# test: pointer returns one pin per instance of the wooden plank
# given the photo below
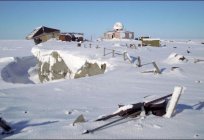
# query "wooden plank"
(173, 102)
(124, 56)
(156, 67)
(113, 53)
(139, 62)
(128, 57)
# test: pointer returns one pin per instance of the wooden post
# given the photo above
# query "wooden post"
(156, 67)
(173, 102)
(135, 46)
(124, 55)
(113, 53)
(4, 125)
(139, 62)
(128, 57)
(104, 51)
(90, 45)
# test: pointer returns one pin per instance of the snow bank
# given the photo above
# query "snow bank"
(6, 59)
(175, 58)
(17, 70)
(58, 64)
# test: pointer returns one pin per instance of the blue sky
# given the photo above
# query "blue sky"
(167, 19)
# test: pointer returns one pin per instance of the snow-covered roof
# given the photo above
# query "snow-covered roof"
(65, 34)
(78, 35)
(30, 36)
(40, 30)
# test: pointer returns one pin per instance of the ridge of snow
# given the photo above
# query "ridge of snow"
(123, 108)
(6, 59)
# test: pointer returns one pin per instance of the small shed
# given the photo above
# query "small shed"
(151, 42)
(77, 37)
(65, 37)
(42, 34)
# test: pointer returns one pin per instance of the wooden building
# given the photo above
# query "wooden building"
(71, 36)
(151, 42)
(42, 34)
(65, 37)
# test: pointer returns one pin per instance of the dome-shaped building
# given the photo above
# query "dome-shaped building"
(118, 26)
(118, 32)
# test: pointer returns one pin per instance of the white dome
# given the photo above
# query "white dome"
(118, 26)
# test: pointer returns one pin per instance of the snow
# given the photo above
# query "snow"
(123, 108)
(48, 110)
(6, 59)
(74, 62)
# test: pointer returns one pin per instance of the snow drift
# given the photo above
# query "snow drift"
(17, 70)
(175, 58)
(55, 64)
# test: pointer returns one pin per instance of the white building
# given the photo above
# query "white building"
(118, 32)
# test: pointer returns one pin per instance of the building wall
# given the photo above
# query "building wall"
(119, 35)
(108, 35)
(155, 43)
(65, 38)
(46, 36)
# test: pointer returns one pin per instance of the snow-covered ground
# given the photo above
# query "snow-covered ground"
(47, 110)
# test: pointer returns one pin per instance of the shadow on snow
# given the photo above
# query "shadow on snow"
(17, 71)
(19, 126)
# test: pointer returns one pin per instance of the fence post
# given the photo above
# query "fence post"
(156, 67)
(104, 51)
(113, 53)
(124, 55)
(173, 102)
(139, 62)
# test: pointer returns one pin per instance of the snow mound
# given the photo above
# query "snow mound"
(6, 59)
(123, 108)
(17, 71)
(60, 64)
(175, 58)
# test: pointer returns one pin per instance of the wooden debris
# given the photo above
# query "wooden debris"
(173, 102)
(139, 62)
(156, 67)
(173, 68)
(197, 60)
(4, 125)
(79, 119)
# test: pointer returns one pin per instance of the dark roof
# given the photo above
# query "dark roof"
(40, 30)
